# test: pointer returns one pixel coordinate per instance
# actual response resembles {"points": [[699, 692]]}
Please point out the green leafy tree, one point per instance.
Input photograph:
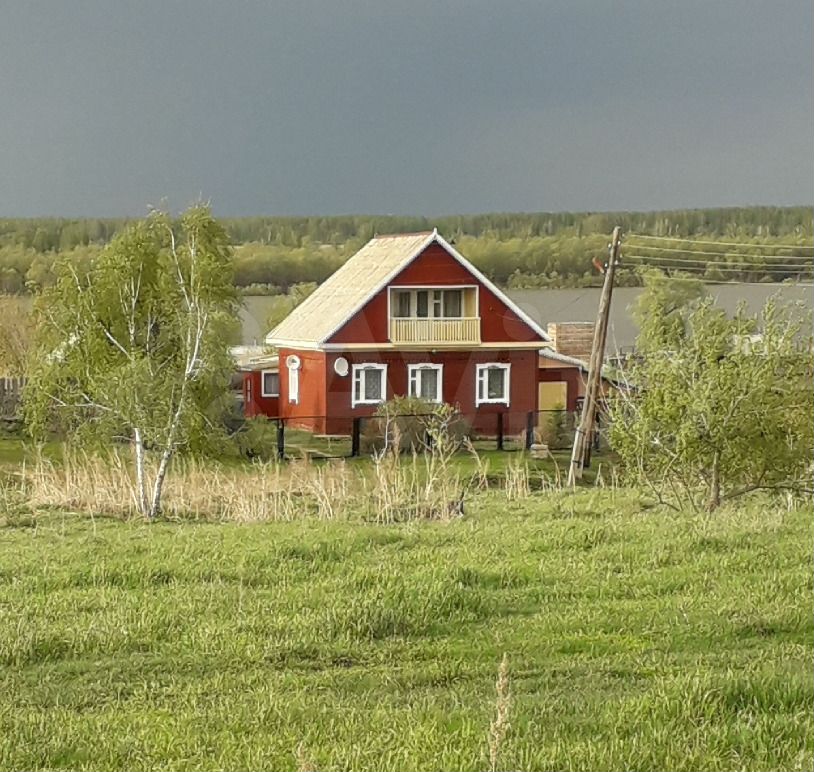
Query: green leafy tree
{"points": [[661, 309], [283, 305], [136, 349], [719, 406]]}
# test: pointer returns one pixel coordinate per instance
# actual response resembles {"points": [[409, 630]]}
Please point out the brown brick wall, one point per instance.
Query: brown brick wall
{"points": [[572, 338]]}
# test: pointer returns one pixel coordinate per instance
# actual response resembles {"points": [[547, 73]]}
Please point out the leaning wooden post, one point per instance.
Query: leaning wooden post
{"points": [[355, 437], [280, 439], [586, 422], [530, 429]]}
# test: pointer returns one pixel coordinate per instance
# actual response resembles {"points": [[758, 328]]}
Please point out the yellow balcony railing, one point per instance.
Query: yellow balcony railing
{"points": [[435, 332]]}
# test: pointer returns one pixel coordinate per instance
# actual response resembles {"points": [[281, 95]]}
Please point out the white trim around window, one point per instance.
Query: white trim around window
{"points": [[414, 380], [483, 384], [272, 391], [363, 390]]}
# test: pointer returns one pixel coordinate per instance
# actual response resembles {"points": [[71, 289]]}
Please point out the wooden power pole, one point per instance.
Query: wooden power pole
{"points": [[584, 432]]}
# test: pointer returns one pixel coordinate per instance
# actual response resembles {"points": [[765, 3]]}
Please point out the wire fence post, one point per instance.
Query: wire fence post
{"points": [[280, 438], [500, 431], [529, 429], [355, 437]]}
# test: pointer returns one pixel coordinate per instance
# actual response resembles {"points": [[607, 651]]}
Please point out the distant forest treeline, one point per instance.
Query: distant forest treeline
{"points": [[518, 250]]}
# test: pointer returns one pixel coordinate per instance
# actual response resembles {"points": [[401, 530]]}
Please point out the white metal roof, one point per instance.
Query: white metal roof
{"points": [[356, 282]]}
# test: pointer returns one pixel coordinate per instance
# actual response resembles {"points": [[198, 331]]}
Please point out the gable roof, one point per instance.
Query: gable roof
{"points": [[365, 274], [550, 353]]}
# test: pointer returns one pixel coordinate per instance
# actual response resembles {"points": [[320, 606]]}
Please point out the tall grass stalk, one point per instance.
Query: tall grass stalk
{"points": [[517, 485], [265, 491], [500, 725]]}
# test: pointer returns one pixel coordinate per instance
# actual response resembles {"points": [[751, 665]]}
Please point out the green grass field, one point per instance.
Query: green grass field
{"points": [[636, 639]]}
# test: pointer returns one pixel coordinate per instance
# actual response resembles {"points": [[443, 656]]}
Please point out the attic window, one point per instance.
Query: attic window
{"points": [[453, 304], [427, 304], [401, 306]]}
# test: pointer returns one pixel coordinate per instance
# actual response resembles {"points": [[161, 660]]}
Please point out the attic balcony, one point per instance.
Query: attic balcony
{"points": [[434, 316], [435, 332]]}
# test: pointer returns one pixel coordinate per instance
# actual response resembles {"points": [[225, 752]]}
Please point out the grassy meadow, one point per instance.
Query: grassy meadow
{"points": [[635, 638]]}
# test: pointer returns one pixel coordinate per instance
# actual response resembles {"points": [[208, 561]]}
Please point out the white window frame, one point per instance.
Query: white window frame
{"points": [[430, 289], [263, 392], [413, 371], [482, 376], [357, 370]]}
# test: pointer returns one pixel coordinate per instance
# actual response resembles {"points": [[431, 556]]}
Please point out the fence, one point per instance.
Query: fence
{"points": [[503, 431], [10, 392]]}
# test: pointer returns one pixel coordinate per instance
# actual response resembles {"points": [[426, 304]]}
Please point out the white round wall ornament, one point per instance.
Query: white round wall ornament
{"points": [[341, 366], [292, 362]]}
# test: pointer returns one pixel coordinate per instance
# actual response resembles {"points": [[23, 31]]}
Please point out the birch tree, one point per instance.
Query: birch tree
{"points": [[136, 348]]}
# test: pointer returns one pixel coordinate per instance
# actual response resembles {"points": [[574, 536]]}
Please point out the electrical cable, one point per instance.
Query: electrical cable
{"points": [[722, 254], [727, 263], [716, 243]]}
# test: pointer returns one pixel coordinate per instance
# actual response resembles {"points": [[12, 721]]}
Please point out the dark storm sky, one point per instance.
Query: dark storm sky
{"points": [[403, 106]]}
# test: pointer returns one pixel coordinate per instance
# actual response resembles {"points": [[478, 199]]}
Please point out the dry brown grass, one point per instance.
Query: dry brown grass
{"points": [[500, 725], [517, 483], [393, 488], [103, 484]]}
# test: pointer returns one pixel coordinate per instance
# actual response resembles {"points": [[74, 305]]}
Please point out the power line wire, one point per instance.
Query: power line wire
{"points": [[702, 270], [691, 265], [722, 254], [728, 263], [716, 243]]}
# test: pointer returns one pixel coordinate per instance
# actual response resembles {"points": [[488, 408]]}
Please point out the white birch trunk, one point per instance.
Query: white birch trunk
{"points": [[166, 456], [141, 483]]}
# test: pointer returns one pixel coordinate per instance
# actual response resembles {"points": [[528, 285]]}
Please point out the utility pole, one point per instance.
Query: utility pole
{"points": [[582, 437]]}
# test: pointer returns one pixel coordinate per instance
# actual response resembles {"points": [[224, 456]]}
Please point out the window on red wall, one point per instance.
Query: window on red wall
{"points": [[492, 383], [369, 384], [270, 384], [424, 380]]}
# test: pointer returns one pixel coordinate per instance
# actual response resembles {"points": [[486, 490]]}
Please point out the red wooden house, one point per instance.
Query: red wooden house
{"points": [[406, 315]]}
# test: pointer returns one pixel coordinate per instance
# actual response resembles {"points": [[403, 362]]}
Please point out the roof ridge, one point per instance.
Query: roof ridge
{"points": [[350, 286], [401, 234], [366, 273]]}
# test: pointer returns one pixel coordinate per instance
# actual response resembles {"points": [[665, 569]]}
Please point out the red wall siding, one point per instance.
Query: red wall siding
{"points": [[254, 403], [458, 385], [325, 397], [435, 266], [499, 323], [309, 411]]}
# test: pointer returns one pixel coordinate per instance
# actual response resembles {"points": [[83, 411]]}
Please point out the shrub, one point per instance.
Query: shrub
{"points": [[257, 438], [556, 431], [412, 423]]}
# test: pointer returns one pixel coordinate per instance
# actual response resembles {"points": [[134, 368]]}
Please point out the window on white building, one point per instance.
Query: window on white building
{"points": [[492, 383], [270, 384], [369, 384], [426, 381]]}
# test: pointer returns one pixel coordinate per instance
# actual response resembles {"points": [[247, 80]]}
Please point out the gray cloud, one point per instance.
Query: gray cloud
{"points": [[404, 107]]}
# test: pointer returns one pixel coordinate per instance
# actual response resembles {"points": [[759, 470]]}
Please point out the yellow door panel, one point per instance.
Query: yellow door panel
{"points": [[552, 395]]}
